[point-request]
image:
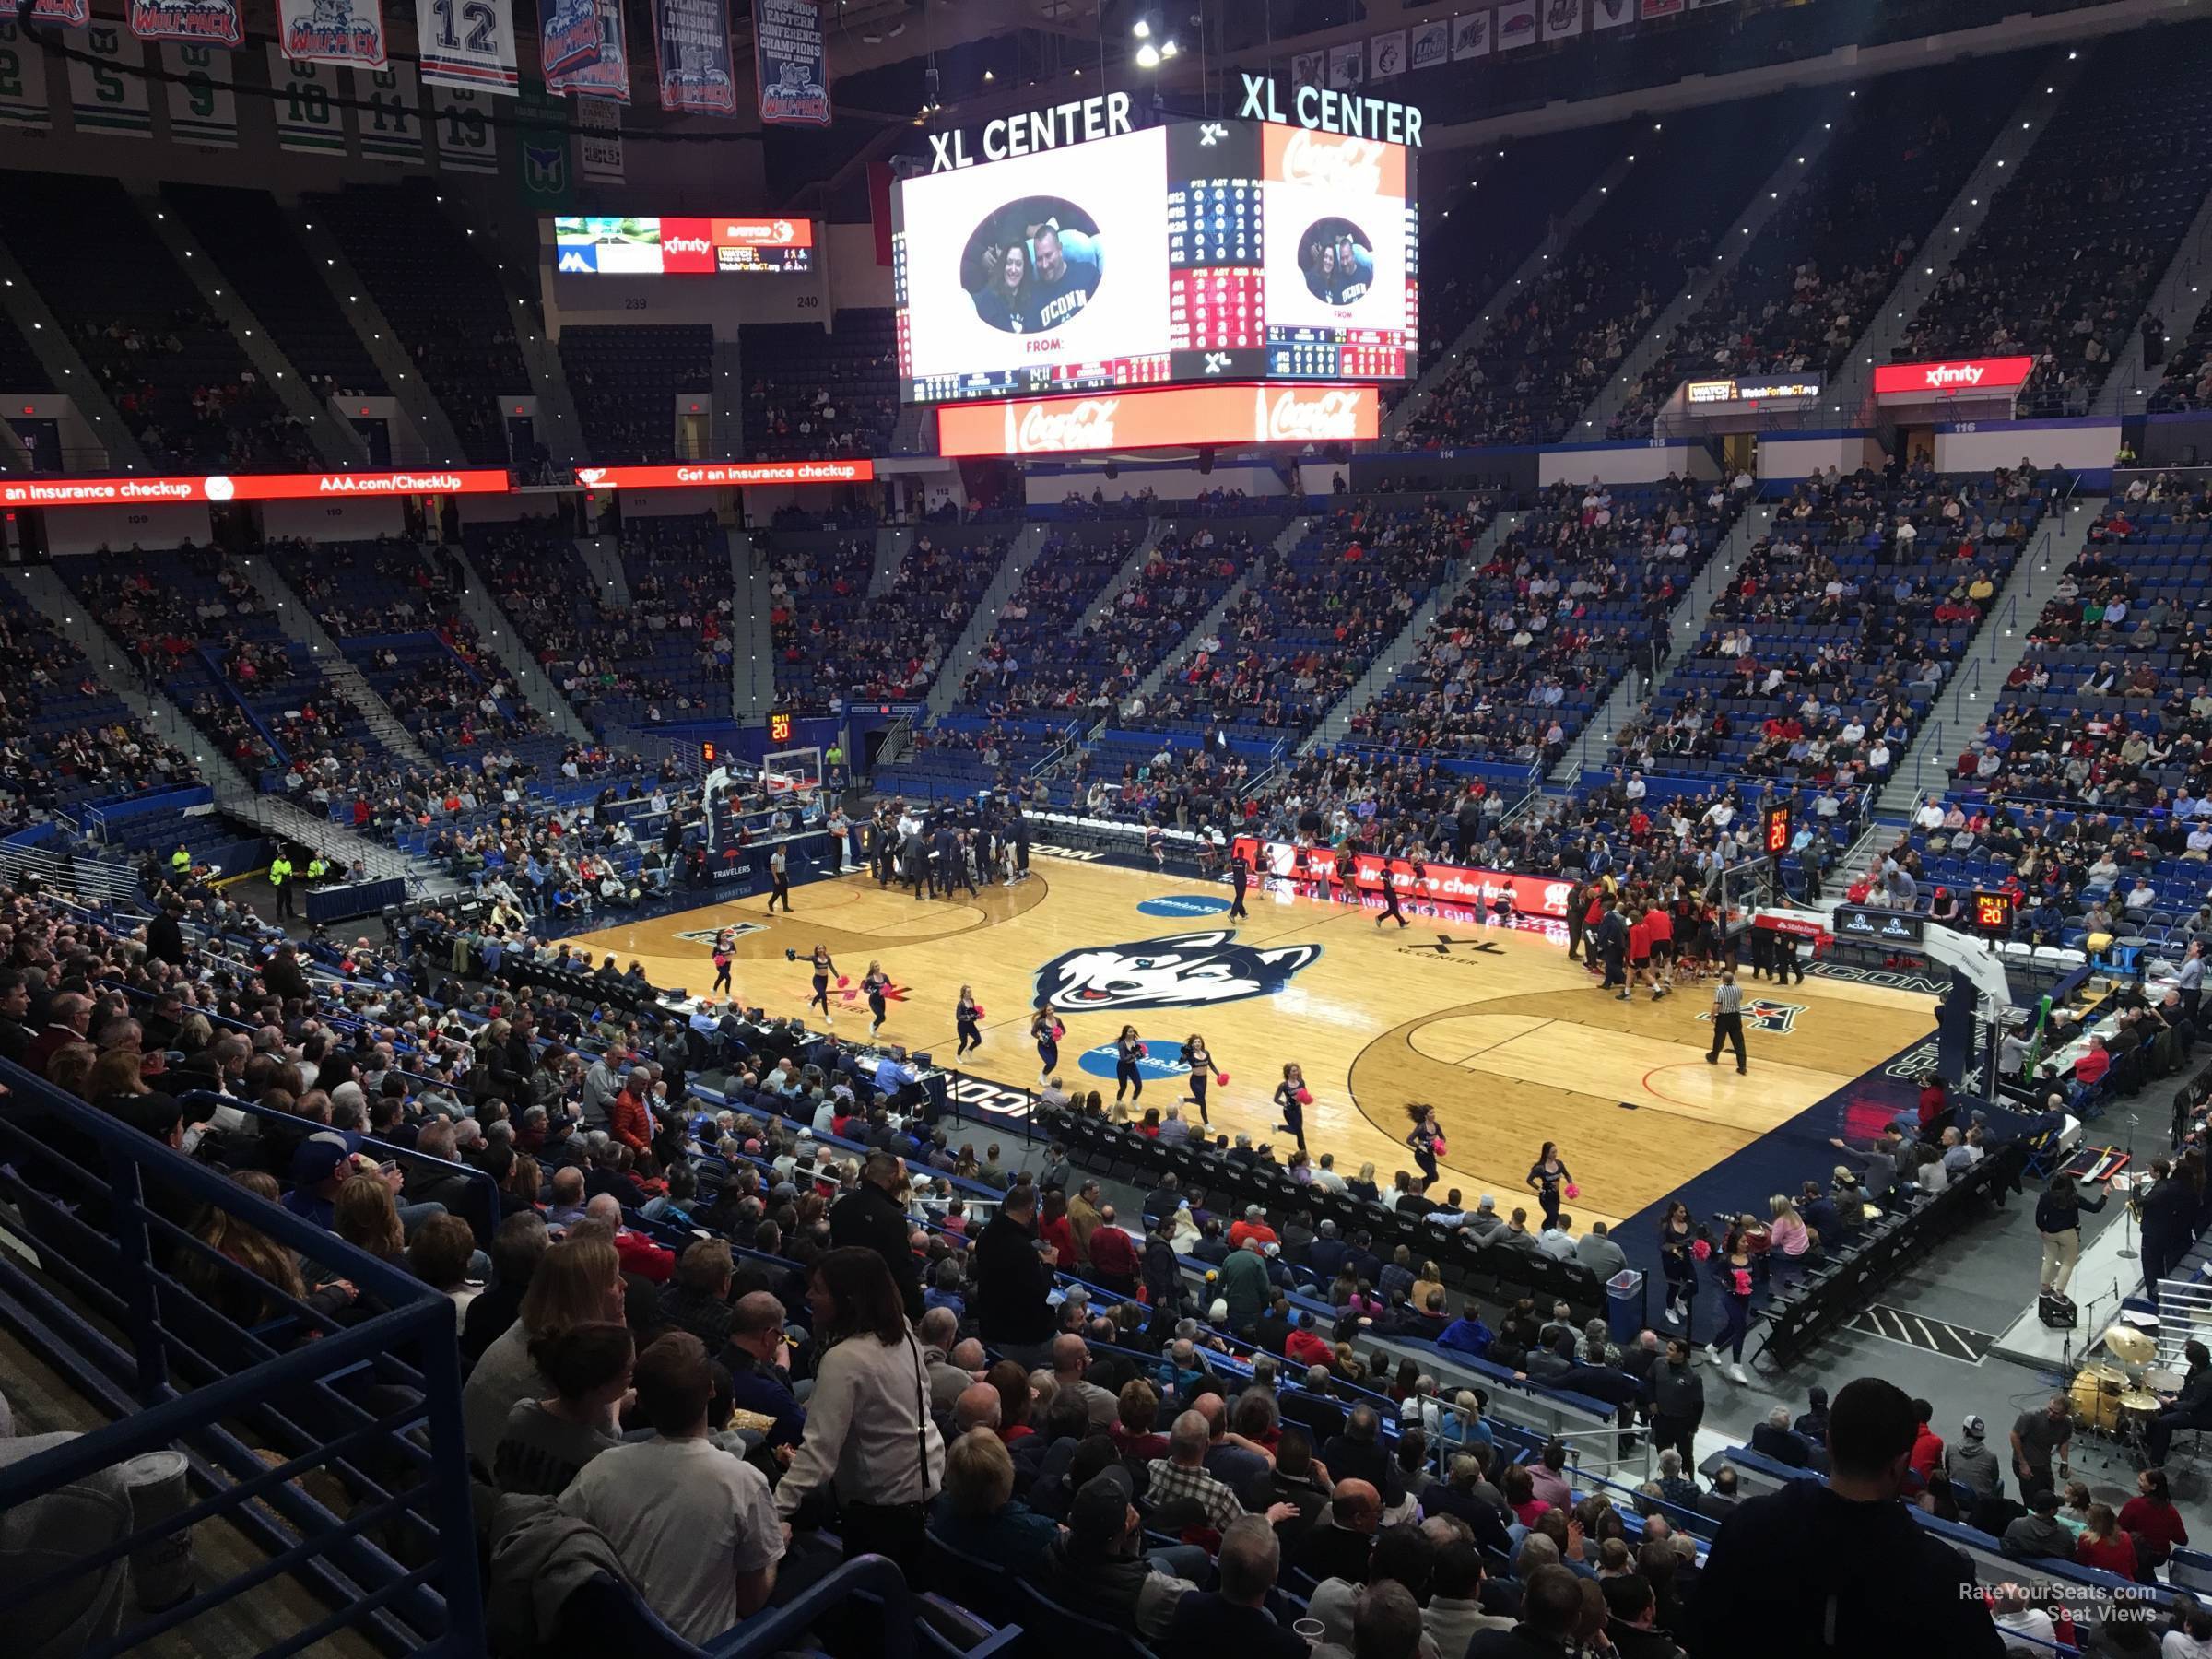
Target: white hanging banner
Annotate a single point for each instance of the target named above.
(308, 118)
(1431, 45)
(1562, 19)
(331, 31)
(390, 117)
(466, 43)
(203, 103)
(1387, 58)
(1347, 65)
(599, 145)
(22, 82)
(1471, 36)
(106, 84)
(1612, 14)
(467, 141)
(1516, 24)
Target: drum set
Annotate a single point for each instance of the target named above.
(2115, 1397)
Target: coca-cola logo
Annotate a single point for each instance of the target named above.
(1311, 418)
(1354, 164)
(1084, 425)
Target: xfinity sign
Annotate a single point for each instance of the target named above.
(1955, 378)
(1322, 109)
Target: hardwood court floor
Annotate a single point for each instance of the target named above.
(1506, 1038)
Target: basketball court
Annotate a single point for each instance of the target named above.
(1511, 1042)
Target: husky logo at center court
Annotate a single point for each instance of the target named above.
(1180, 971)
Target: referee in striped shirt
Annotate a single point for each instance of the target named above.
(1728, 1018)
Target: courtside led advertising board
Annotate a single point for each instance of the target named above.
(681, 247)
(1086, 255)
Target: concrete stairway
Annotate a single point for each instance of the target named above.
(51, 344)
(557, 425)
(1587, 752)
(1401, 649)
(893, 542)
(601, 556)
(727, 422)
(1293, 533)
(983, 622)
(1997, 649)
(299, 623)
(335, 440)
(432, 428)
(1740, 237)
(2177, 302)
(752, 642)
(1526, 273)
(1118, 583)
(499, 635)
(1943, 241)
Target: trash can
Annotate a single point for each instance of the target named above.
(1624, 1305)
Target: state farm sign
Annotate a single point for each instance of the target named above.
(1960, 377)
(1150, 419)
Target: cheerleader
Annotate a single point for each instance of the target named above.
(1045, 1032)
(964, 1015)
(1427, 1141)
(823, 969)
(1128, 1050)
(1201, 1064)
(875, 982)
(723, 957)
(1546, 1177)
(1291, 1099)
(1678, 1257)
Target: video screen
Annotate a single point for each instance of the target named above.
(680, 247)
(1197, 252)
(1024, 271)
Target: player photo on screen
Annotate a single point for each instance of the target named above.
(1033, 265)
(1338, 259)
(1039, 261)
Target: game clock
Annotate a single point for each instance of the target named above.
(1993, 915)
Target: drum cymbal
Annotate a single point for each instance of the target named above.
(2129, 1345)
(2166, 1381)
(2103, 1370)
(2138, 1399)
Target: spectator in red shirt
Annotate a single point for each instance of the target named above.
(2104, 1545)
(1113, 1262)
(1307, 1346)
(1927, 1445)
(1254, 1226)
(2151, 1516)
(1935, 1103)
(2089, 1070)
(639, 1253)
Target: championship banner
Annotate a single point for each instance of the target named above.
(1432, 46)
(307, 121)
(1516, 24)
(203, 102)
(1308, 68)
(1388, 57)
(1442, 883)
(602, 70)
(213, 22)
(1612, 14)
(69, 14)
(599, 142)
(1347, 65)
(691, 46)
(262, 487)
(467, 142)
(22, 82)
(1471, 36)
(107, 85)
(787, 56)
(390, 117)
(331, 31)
(1562, 19)
(466, 43)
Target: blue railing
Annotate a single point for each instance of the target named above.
(369, 1406)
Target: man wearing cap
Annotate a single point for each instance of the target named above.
(1485, 1223)
(1971, 1460)
(1093, 1568)
(1252, 1226)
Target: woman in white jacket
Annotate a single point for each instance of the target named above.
(870, 1443)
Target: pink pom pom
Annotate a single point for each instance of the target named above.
(1702, 1250)
(844, 980)
(1221, 1079)
(1573, 1190)
(1305, 1096)
(979, 1010)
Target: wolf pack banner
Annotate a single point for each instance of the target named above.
(1562, 19)
(1432, 46)
(1649, 9)
(467, 142)
(692, 45)
(389, 119)
(599, 145)
(466, 43)
(332, 31)
(548, 184)
(203, 99)
(69, 14)
(795, 83)
(22, 82)
(1347, 65)
(214, 21)
(1612, 14)
(1306, 68)
(106, 84)
(1516, 24)
(1471, 36)
(1388, 58)
(603, 71)
(308, 117)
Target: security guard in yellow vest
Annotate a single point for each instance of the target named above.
(280, 876)
(317, 868)
(180, 863)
